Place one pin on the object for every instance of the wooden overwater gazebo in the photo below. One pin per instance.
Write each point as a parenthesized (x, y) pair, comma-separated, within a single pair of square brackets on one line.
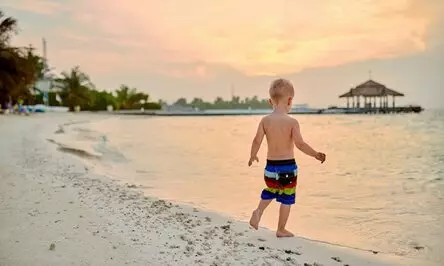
[(375, 97)]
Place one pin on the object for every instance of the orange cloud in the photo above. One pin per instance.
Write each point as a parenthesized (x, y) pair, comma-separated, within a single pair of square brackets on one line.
[(255, 37), (266, 37)]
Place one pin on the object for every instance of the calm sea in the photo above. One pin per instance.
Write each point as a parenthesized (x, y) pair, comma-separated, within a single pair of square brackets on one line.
[(382, 186)]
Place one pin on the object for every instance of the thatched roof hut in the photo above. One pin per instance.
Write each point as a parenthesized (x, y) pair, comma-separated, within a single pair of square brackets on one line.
[(371, 90)]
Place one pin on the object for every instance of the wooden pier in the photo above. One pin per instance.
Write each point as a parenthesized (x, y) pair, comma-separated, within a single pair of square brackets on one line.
[(375, 98)]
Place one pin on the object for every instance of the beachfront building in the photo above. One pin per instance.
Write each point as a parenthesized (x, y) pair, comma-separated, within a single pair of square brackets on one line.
[(375, 96)]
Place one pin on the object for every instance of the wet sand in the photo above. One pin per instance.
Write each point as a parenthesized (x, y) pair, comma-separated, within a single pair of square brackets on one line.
[(55, 211)]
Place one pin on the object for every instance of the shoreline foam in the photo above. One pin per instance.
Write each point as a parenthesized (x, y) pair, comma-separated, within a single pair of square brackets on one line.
[(50, 198)]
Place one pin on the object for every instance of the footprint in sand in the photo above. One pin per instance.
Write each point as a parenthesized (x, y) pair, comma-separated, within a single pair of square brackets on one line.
[(336, 259), (293, 252)]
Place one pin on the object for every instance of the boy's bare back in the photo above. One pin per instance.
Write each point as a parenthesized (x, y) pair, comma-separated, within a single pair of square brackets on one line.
[(281, 130), (282, 133), (278, 130)]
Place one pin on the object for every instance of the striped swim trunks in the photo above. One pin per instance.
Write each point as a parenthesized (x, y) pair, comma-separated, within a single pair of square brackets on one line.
[(281, 180)]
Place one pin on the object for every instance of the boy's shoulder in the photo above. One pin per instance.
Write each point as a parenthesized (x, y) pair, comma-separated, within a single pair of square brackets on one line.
[(282, 118)]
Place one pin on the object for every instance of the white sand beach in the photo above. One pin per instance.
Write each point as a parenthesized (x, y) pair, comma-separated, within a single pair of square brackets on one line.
[(55, 211)]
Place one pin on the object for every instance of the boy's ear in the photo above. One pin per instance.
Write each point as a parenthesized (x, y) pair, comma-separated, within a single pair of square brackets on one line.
[(270, 101), (290, 99)]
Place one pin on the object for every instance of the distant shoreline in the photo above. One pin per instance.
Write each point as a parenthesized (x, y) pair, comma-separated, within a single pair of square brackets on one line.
[(239, 112)]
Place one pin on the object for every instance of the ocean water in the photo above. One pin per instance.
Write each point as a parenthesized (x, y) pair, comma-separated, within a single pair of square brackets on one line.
[(381, 188)]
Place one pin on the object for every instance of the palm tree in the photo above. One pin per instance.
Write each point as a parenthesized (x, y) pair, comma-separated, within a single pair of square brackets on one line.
[(8, 27), (35, 63), (8, 62), (128, 98), (122, 96), (75, 87), (19, 67), (19, 70)]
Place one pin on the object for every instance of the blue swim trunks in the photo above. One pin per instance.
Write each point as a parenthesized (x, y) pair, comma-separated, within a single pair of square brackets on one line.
[(281, 179)]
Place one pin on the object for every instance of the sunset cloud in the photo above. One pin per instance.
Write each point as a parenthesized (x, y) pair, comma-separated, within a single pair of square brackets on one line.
[(262, 37), (254, 37)]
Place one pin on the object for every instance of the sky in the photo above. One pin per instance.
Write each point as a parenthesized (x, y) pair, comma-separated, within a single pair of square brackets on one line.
[(210, 48)]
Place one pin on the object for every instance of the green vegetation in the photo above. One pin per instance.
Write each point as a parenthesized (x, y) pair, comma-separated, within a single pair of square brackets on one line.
[(21, 68), (219, 103)]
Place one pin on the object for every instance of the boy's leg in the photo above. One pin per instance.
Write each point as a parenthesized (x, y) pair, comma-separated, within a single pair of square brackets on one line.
[(257, 214), (284, 212)]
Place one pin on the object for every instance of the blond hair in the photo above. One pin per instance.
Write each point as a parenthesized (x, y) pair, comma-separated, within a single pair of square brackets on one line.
[(280, 88)]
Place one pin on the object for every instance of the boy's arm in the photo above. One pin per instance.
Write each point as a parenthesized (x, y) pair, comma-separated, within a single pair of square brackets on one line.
[(302, 145), (257, 141)]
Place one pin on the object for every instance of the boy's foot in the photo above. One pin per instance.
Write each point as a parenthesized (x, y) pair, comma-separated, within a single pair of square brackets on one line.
[(254, 220), (284, 233)]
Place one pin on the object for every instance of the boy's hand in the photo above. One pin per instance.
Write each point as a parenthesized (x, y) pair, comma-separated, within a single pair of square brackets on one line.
[(252, 159), (320, 157)]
